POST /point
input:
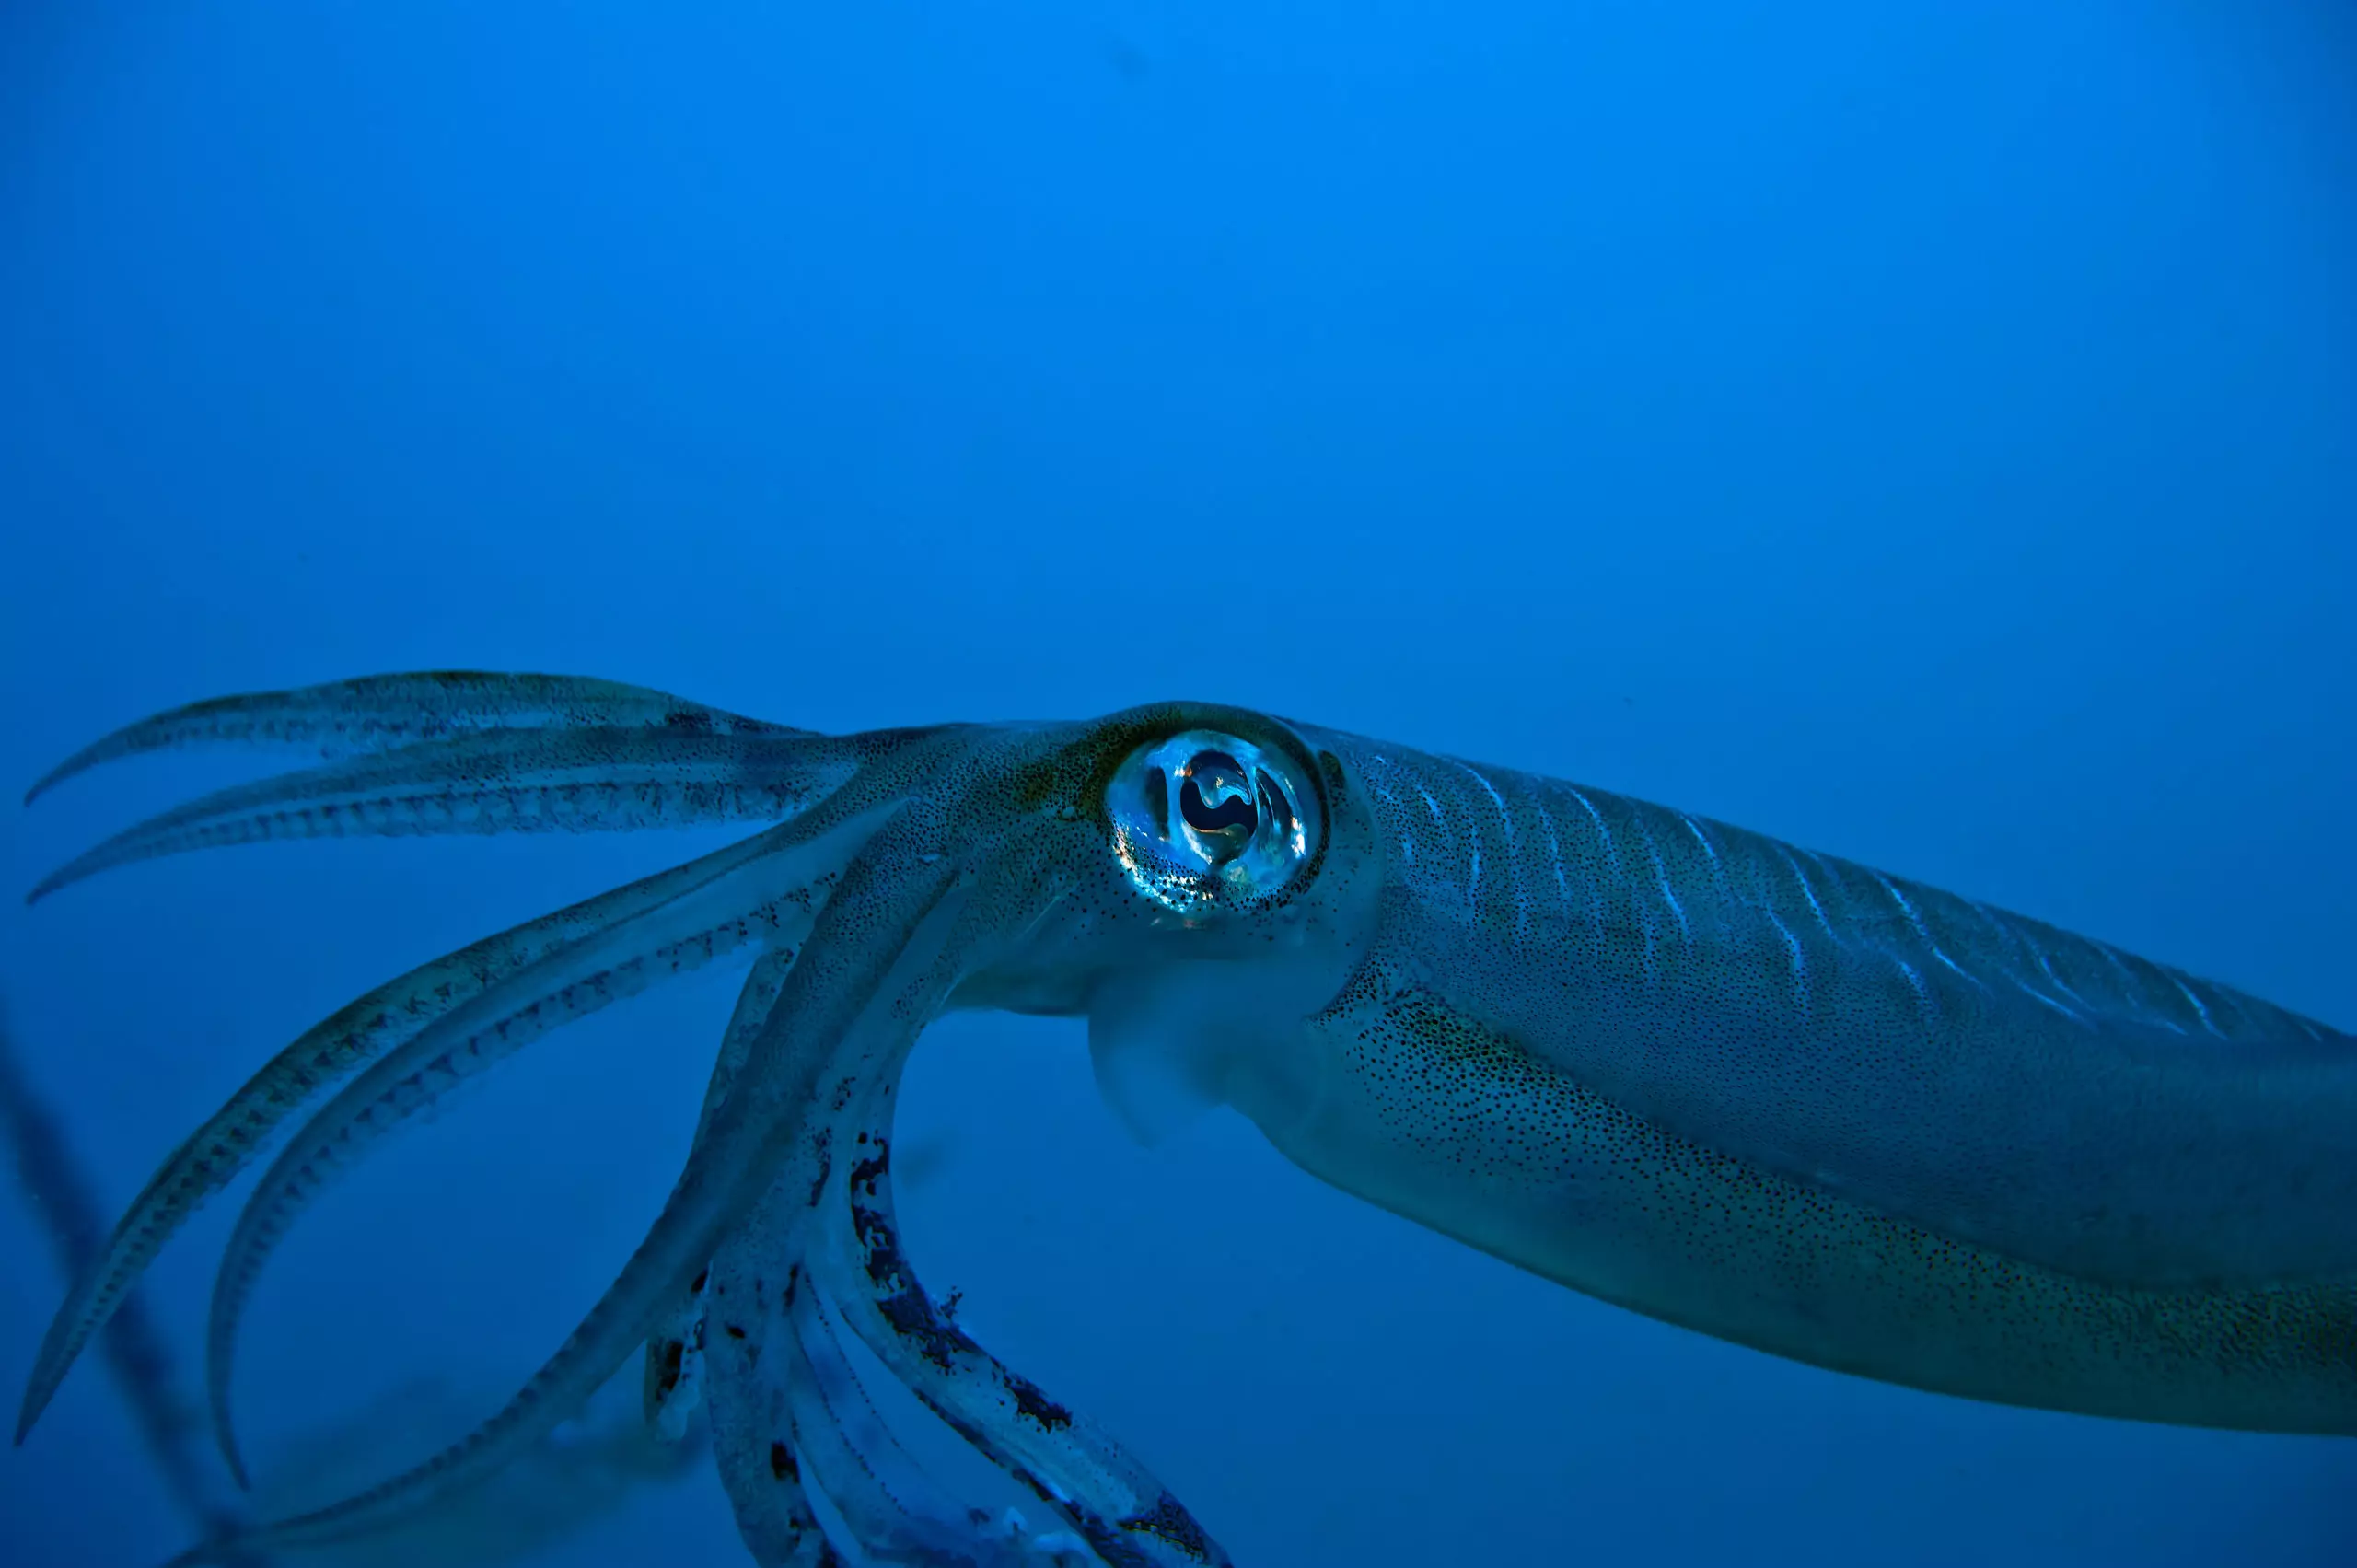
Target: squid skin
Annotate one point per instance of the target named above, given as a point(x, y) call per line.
point(1756, 1090)
point(1812, 1108)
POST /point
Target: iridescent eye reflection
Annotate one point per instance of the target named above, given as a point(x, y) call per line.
point(1203, 820)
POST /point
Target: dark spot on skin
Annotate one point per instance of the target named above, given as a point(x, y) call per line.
point(781, 1465)
point(690, 720)
point(1168, 1520)
point(674, 1353)
point(826, 1168)
point(701, 1279)
point(1114, 1549)
point(874, 1168)
point(912, 1316)
point(903, 1302)
point(734, 1332)
point(883, 1249)
point(1029, 1400)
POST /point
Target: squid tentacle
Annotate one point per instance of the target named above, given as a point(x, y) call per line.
point(755, 1447)
point(328, 1053)
point(885, 1499)
point(886, 910)
point(883, 1493)
point(672, 1383)
point(1126, 1515)
point(765, 889)
point(579, 780)
point(774, 1414)
point(787, 1411)
point(377, 712)
point(758, 1463)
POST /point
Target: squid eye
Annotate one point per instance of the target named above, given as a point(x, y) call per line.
point(1205, 818)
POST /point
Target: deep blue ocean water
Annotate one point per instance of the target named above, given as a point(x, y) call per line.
point(1926, 432)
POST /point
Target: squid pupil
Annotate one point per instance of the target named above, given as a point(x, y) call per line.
point(1235, 810)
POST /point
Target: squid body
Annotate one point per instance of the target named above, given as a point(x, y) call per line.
point(1762, 1092)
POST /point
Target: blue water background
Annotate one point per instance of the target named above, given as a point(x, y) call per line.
point(1928, 433)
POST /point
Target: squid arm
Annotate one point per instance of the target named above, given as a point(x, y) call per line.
point(368, 715)
point(763, 889)
point(376, 713)
point(884, 908)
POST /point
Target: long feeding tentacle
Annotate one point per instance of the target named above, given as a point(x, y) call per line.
point(884, 909)
point(672, 1383)
point(1118, 1506)
point(1126, 1515)
point(767, 890)
point(787, 1408)
point(885, 1496)
point(579, 780)
point(790, 1416)
point(753, 1441)
point(729, 1334)
point(379, 712)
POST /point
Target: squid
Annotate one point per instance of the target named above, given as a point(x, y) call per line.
point(1756, 1090)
